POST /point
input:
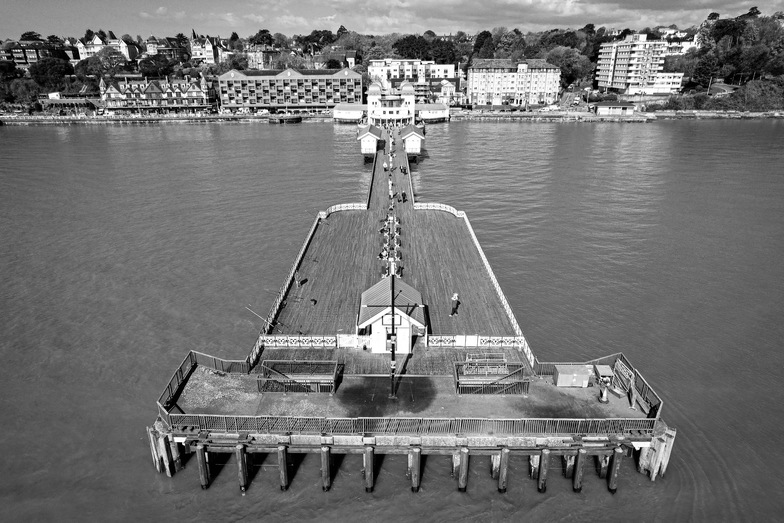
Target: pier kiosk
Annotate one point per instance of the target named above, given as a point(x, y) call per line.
point(377, 315)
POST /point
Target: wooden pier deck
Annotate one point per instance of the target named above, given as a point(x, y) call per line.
point(439, 258)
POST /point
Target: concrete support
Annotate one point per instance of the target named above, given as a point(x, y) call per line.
point(495, 464)
point(604, 462)
point(544, 465)
point(503, 469)
point(462, 479)
point(174, 447)
point(283, 467)
point(242, 467)
point(533, 463)
point(326, 469)
point(644, 461)
point(164, 450)
point(204, 466)
point(414, 457)
point(579, 469)
point(156, 459)
point(612, 483)
point(369, 458)
point(455, 463)
point(568, 466)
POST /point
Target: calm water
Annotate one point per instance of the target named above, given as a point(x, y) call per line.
point(124, 247)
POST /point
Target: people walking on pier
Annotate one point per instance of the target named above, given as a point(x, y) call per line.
point(455, 304)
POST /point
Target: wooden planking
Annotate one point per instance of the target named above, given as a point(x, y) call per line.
point(438, 259)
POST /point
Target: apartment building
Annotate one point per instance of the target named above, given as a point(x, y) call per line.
point(499, 81)
point(634, 66)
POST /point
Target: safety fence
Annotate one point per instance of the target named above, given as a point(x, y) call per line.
point(476, 341)
point(298, 341)
point(652, 401)
point(411, 426)
point(492, 378)
point(438, 207)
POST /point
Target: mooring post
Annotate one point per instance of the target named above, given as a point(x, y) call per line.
point(544, 464)
point(604, 461)
point(568, 463)
point(165, 452)
point(503, 468)
point(579, 467)
point(495, 464)
point(283, 467)
point(533, 463)
point(242, 467)
point(462, 480)
point(414, 456)
point(204, 467)
point(156, 459)
point(369, 468)
point(326, 472)
point(612, 484)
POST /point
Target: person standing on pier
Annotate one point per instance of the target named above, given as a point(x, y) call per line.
point(455, 304)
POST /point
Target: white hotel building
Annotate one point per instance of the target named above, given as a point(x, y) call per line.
point(498, 81)
point(634, 66)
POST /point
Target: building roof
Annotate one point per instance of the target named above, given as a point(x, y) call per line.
point(493, 63)
point(291, 73)
point(369, 130)
point(613, 104)
point(411, 129)
point(408, 301)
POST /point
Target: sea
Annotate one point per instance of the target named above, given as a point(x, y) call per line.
point(122, 247)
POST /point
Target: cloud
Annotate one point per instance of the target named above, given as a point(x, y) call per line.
point(290, 21)
point(162, 13)
point(254, 18)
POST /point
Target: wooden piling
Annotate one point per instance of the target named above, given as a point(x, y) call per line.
point(503, 468)
point(604, 462)
point(283, 467)
point(579, 469)
point(369, 457)
point(242, 467)
point(644, 461)
point(455, 463)
point(164, 450)
point(533, 464)
point(462, 480)
point(156, 459)
point(669, 437)
point(612, 483)
point(204, 467)
point(495, 464)
point(326, 471)
point(414, 456)
point(174, 447)
point(544, 465)
point(568, 466)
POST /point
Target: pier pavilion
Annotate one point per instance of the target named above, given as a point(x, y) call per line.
point(466, 383)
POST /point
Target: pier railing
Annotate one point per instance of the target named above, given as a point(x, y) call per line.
point(651, 400)
point(299, 341)
point(413, 426)
point(438, 207)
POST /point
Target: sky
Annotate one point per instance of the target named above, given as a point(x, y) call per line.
point(290, 17)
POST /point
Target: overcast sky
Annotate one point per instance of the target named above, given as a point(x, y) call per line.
point(290, 17)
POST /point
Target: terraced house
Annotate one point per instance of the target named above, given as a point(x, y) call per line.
point(289, 89)
point(188, 95)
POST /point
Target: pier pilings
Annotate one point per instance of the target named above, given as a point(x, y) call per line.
point(542, 454)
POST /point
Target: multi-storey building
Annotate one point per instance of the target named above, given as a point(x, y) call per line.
point(210, 50)
point(156, 96)
point(502, 81)
point(310, 89)
point(168, 47)
point(411, 70)
point(28, 52)
point(634, 65)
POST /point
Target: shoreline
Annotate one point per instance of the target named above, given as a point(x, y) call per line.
point(555, 116)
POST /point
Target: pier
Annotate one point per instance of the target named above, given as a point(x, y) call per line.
point(365, 351)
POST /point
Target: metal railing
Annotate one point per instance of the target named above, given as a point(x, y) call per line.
point(644, 391)
point(299, 341)
point(438, 207)
point(412, 426)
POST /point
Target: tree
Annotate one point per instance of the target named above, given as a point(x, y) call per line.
point(49, 72)
point(705, 69)
point(54, 40)
point(263, 37)
point(573, 65)
point(280, 40)
point(429, 36)
point(30, 35)
point(332, 63)
point(480, 40)
point(341, 31)
point(111, 61)
point(412, 47)
point(442, 52)
point(155, 66)
point(24, 90)
point(487, 50)
point(89, 35)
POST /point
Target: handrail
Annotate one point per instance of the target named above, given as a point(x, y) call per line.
point(438, 207)
point(346, 207)
point(416, 426)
